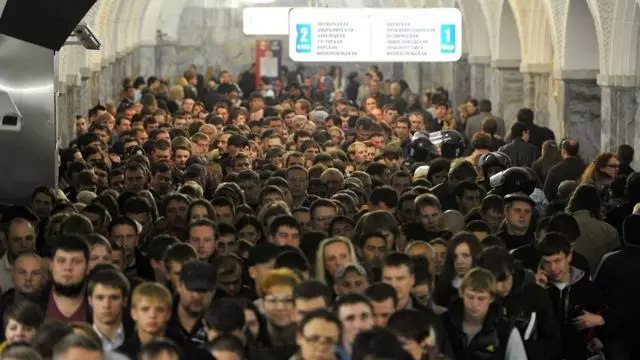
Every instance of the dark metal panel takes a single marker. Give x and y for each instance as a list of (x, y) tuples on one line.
[(28, 154), (47, 23)]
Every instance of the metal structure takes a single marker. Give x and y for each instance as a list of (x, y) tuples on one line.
[(30, 36)]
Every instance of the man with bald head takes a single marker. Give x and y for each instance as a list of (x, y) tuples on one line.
[(333, 180), (570, 168), (453, 221), (21, 237)]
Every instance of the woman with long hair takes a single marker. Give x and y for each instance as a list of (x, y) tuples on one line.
[(549, 158), (600, 173), (462, 254)]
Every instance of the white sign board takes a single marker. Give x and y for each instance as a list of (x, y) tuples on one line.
[(267, 20), (375, 35)]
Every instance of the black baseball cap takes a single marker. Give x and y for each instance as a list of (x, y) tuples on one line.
[(519, 196), (198, 276)]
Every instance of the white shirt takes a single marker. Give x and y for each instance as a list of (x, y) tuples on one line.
[(111, 345)]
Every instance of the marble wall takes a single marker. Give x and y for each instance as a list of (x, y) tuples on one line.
[(488, 82), (461, 89), (68, 105), (506, 93), (536, 96), (582, 109), (619, 116), (477, 80), (147, 61), (411, 73)]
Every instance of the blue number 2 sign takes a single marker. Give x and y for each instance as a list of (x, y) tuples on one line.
[(303, 38), (448, 39)]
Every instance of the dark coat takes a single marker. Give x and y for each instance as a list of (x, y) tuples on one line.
[(528, 307), (520, 152), (489, 344), (570, 168), (579, 295), (615, 277)]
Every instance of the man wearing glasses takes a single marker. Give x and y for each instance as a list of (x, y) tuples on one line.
[(318, 336)]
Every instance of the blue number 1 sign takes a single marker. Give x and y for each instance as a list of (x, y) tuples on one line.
[(303, 38), (448, 39)]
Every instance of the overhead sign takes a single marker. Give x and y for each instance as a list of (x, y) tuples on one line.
[(266, 20), (375, 35)]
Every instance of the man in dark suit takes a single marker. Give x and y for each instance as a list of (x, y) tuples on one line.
[(570, 168), (537, 134), (519, 150)]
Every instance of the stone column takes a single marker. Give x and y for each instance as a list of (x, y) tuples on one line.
[(166, 60), (536, 91), (479, 67), (105, 83), (397, 71), (411, 74), (114, 80), (430, 76), (506, 90), (85, 91), (581, 108), (461, 89), (135, 62), (619, 112), (147, 61), (129, 70), (96, 89), (62, 112)]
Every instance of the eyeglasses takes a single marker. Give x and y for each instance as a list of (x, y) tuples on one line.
[(613, 166), (275, 301), (320, 340)]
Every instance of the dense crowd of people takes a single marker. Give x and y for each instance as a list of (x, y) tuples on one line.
[(320, 217)]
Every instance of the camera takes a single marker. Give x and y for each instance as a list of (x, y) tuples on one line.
[(87, 37), (10, 116)]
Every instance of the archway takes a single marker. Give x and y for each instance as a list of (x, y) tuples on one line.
[(508, 46), (581, 105), (581, 50)]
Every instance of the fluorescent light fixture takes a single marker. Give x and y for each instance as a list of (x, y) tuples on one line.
[(265, 20)]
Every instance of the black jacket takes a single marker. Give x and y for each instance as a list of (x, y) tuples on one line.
[(442, 340), (446, 196), (540, 134), (515, 241), (617, 273), (579, 295), (520, 152), (528, 307), (570, 168), (489, 344)]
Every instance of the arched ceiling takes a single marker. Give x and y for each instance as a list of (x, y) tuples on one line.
[(530, 31)]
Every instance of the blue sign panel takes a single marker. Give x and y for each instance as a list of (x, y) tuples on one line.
[(303, 38), (447, 39)]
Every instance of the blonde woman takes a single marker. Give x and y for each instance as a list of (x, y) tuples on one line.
[(176, 95), (333, 253)]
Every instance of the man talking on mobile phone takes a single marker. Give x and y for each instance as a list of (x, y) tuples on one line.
[(578, 302)]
